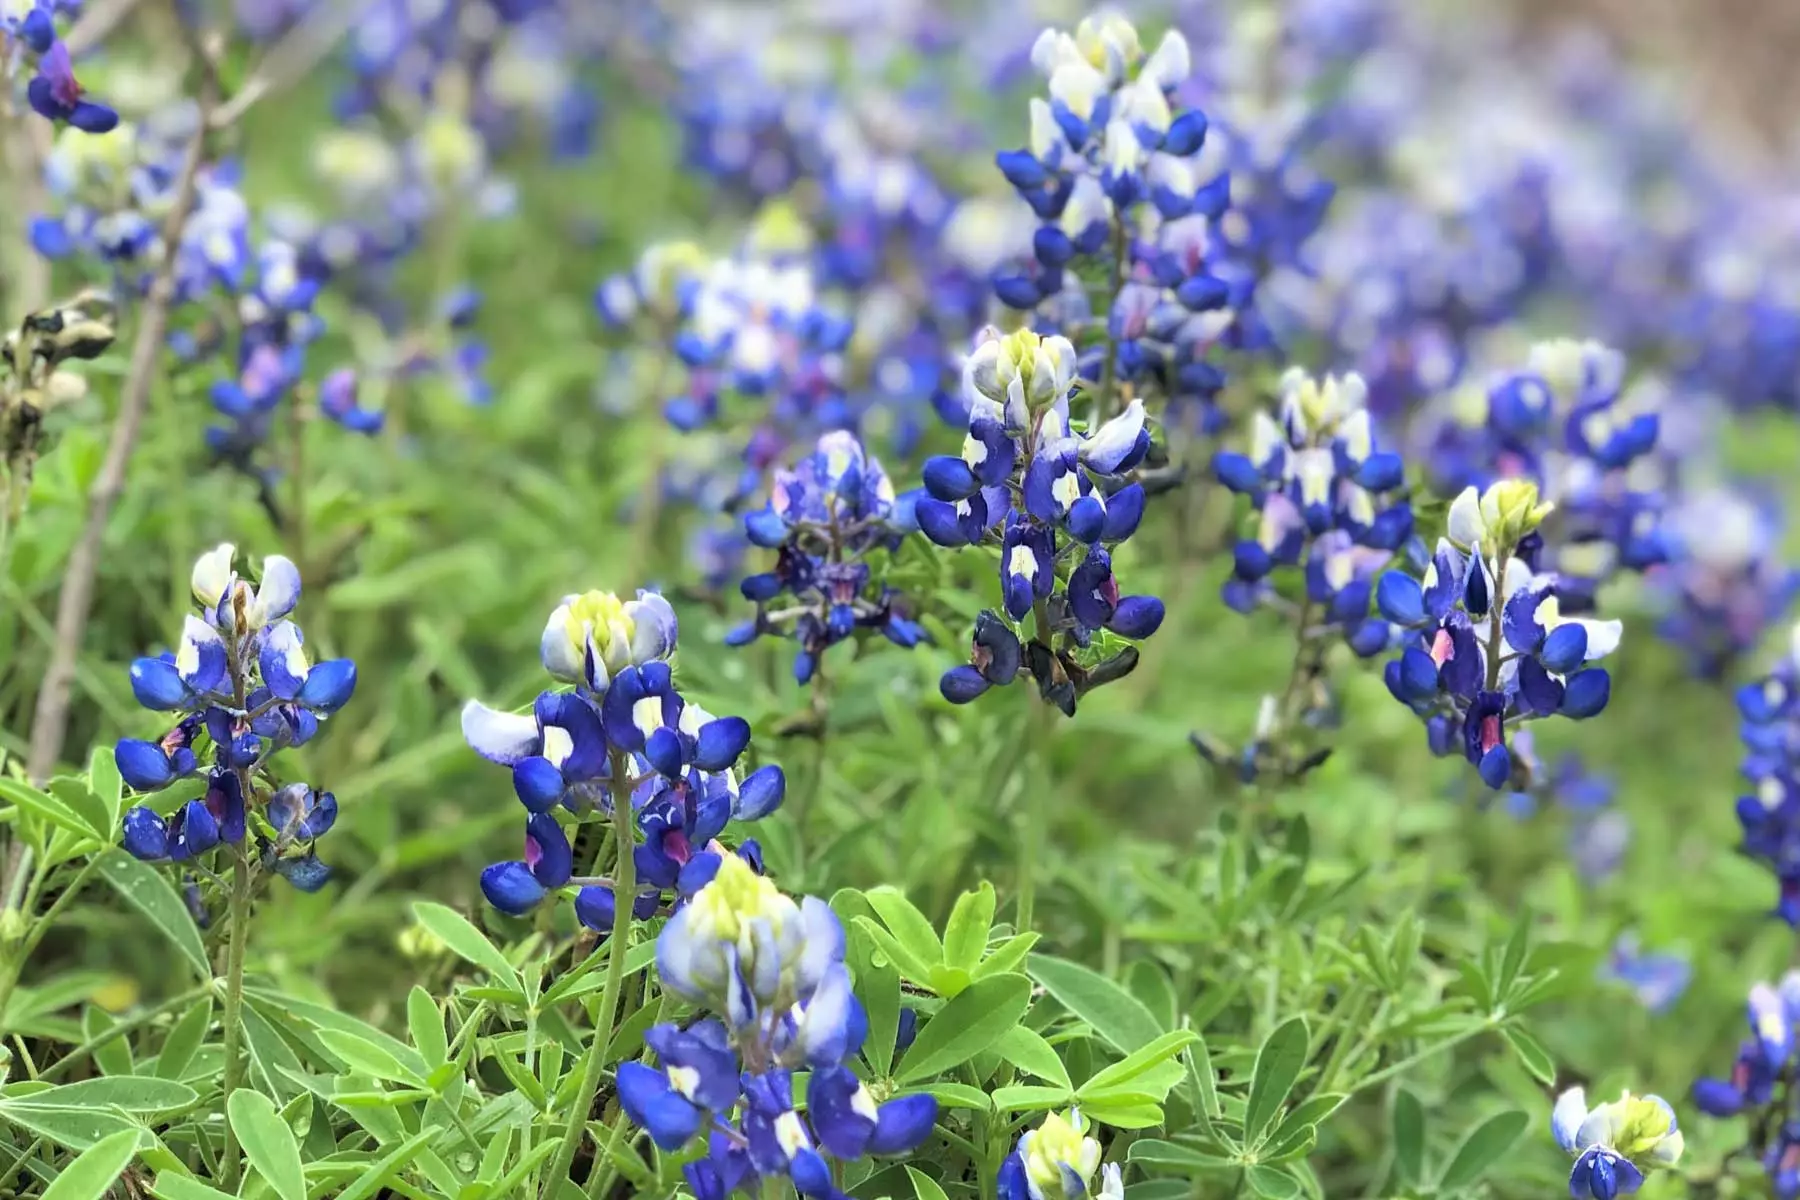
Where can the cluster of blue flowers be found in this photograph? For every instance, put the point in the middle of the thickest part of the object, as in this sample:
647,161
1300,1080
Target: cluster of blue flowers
1490,647
1053,501
1327,501
53,91
1769,725
1058,1161
770,975
1116,171
1567,424
824,519
625,734
1761,1084
243,690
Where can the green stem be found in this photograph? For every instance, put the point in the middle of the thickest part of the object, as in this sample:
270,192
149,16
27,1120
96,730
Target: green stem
624,894
1413,1060
130,1025
238,934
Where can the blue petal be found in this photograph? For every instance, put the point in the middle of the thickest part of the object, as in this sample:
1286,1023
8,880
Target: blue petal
645,1095
1585,693
157,685
760,794
831,1103
959,685
143,765
902,1125
146,835
329,685
499,737
1137,617
719,743
1400,598
511,888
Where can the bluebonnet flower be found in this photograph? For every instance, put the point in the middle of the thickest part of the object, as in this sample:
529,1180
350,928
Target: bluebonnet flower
624,734
1611,1141
824,519
1724,583
770,975
245,689
1656,979
1117,172
1058,1161
53,91
1327,501
1764,1066
1769,727
1491,646
1056,504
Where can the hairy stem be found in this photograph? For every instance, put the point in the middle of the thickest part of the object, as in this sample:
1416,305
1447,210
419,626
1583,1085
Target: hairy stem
624,894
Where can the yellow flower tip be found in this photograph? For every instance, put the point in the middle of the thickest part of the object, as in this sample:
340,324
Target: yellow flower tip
600,615
736,897
779,229
1059,1141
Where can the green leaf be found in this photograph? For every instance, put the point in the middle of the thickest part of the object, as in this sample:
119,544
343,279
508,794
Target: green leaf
909,964
99,1166
906,922
1206,1083
149,891
169,1186
966,934
76,1128
94,812
879,990
44,807
1115,1013
365,1057
1031,1098
426,1024
185,1038
383,1168
966,1026
1409,1136
127,1093
468,942
1125,1111
268,1142
104,781
1026,1049
960,1095
1142,1060
1512,959
1278,1064
1532,1054
1272,1183
924,1186
1482,1149
1175,1154
1007,956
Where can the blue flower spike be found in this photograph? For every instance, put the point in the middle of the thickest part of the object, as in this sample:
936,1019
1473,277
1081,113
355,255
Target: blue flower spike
1614,1143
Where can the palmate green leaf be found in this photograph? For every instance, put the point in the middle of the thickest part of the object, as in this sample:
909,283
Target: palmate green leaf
906,923
104,781
95,813
959,1095
268,1143
1027,1050
149,891
1278,1066
1125,1110
1482,1149
97,1168
1007,956
366,1057
966,933
965,1026
468,942
1115,1014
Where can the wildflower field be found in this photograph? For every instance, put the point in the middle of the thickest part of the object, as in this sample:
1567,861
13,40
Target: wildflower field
890,599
